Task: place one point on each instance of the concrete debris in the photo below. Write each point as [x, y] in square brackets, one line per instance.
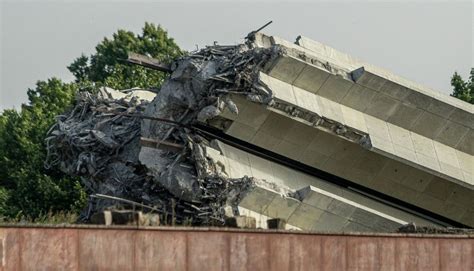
[242, 222]
[413, 228]
[276, 223]
[125, 217]
[185, 151]
[125, 145]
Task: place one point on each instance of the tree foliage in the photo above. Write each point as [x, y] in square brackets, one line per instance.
[463, 90]
[107, 66]
[27, 188]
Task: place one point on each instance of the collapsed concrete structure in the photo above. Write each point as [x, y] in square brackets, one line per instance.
[273, 129]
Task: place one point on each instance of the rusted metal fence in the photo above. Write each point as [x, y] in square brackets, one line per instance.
[118, 248]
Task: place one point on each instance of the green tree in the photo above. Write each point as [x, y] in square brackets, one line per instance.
[26, 187]
[107, 67]
[463, 90]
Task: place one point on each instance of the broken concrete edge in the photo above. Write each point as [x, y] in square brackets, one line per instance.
[320, 122]
[235, 230]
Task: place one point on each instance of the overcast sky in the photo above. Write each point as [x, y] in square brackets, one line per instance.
[423, 41]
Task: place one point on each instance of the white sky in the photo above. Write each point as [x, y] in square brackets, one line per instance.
[423, 41]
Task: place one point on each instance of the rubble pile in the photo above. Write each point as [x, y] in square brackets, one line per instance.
[100, 147]
[125, 144]
[413, 228]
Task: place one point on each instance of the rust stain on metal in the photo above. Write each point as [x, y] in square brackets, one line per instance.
[89, 248]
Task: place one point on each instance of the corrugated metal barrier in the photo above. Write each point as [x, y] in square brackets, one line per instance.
[122, 248]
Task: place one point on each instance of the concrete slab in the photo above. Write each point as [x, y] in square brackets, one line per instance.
[301, 134]
[429, 125]
[251, 114]
[462, 197]
[377, 127]
[311, 78]
[413, 95]
[418, 100]
[354, 118]
[286, 68]
[341, 209]
[265, 140]
[312, 158]
[258, 200]
[400, 136]
[281, 90]
[423, 145]
[463, 116]
[306, 100]
[466, 161]
[261, 168]
[363, 217]
[305, 216]
[311, 197]
[395, 90]
[450, 170]
[326, 144]
[281, 207]
[417, 180]
[439, 188]
[405, 115]
[359, 97]
[382, 106]
[276, 125]
[446, 154]
[406, 154]
[382, 145]
[242, 131]
[395, 171]
[428, 162]
[439, 108]
[452, 133]
[290, 149]
[335, 88]
[467, 143]
[330, 109]
[282, 175]
[329, 223]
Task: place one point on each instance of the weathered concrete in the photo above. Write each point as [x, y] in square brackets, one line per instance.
[362, 123]
[314, 197]
[386, 96]
[114, 248]
[399, 162]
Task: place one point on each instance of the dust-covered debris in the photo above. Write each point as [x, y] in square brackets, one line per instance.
[413, 228]
[123, 144]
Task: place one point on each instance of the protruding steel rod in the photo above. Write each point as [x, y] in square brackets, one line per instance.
[102, 196]
[148, 62]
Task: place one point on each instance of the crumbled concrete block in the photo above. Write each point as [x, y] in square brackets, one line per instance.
[276, 223]
[102, 218]
[127, 217]
[243, 222]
